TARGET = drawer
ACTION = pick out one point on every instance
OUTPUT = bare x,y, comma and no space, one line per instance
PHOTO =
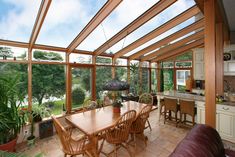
225,108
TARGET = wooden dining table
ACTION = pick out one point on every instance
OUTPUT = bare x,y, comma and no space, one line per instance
94,122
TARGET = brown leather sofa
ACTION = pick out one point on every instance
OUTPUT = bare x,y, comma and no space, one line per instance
202,141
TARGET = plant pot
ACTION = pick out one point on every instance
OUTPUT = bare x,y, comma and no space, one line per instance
37,118
116,109
31,141
10,146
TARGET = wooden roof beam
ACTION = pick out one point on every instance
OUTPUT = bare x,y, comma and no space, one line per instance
39,21
180,33
94,22
180,50
173,46
156,32
142,19
200,4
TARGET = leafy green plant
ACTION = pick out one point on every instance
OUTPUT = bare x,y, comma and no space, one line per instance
78,96
117,103
11,118
39,112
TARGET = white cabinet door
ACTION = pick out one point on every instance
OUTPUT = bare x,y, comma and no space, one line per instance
199,64
225,124
200,112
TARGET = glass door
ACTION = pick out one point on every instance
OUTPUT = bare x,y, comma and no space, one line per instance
81,85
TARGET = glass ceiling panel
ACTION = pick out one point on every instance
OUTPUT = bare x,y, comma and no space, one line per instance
65,19
124,14
162,36
168,14
17,18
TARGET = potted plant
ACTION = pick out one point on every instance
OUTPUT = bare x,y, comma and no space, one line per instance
117,104
39,112
31,138
11,118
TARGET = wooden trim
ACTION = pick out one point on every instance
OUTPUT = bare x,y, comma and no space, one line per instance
200,5
210,62
94,22
14,43
14,61
170,47
156,32
68,86
142,19
30,80
219,59
180,33
180,50
39,21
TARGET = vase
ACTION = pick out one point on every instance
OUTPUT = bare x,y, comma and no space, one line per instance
10,146
116,109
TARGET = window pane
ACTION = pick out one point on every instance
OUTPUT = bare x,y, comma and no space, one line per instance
103,75
19,71
13,53
168,79
121,73
181,77
134,83
48,86
145,80
17,19
42,55
103,60
80,58
154,80
65,19
81,86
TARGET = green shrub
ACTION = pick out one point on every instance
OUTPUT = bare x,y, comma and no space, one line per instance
78,96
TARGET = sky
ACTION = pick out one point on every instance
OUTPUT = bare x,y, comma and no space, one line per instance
66,18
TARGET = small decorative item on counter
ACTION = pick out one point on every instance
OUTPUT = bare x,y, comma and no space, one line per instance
219,98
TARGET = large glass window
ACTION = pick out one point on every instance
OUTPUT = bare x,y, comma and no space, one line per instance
168,81
50,56
13,53
81,86
121,73
134,83
48,84
181,77
145,80
154,80
103,75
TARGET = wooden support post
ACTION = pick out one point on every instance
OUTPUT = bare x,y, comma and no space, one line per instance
219,59
94,78
30,79
210,62
159,77
140,77
68,85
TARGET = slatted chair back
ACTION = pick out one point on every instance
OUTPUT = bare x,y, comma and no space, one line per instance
170,104
69,145
187,107
119,133
146,98
138,125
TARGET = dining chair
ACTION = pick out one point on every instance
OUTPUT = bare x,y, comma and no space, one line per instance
171,105
138,126
70,145
146,98
187,107
118,134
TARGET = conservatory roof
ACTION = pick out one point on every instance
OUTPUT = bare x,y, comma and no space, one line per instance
143,30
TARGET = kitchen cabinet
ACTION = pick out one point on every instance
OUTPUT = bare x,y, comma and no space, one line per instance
200,112
198,64
225,121
229,68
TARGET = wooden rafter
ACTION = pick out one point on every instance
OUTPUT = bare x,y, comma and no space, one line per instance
94,22
14,43
180,50
173,46
200,4
180,33
163,28
142,19
39,21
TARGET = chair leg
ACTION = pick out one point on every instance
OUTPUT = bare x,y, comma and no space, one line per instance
65,155
115,150
176,119
149,125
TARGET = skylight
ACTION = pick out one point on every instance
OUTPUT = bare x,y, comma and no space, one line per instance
124,14
17,19
65,19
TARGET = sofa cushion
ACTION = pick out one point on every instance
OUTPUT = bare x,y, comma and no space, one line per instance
201,141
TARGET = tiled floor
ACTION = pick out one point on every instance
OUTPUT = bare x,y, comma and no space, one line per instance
161,142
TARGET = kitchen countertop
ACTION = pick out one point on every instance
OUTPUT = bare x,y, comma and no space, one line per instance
181,95
229,103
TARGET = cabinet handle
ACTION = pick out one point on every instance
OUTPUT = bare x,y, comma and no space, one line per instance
225,108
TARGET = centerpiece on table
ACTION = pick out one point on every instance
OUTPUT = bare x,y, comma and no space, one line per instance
117,104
